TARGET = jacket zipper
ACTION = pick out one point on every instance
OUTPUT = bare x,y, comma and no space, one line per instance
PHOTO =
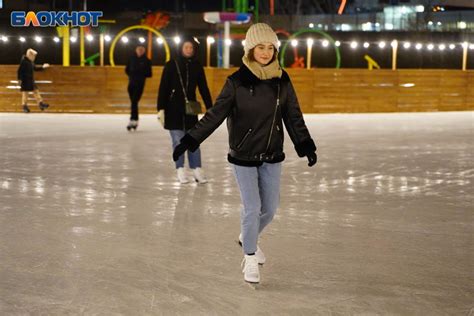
274,119
172,94
244,139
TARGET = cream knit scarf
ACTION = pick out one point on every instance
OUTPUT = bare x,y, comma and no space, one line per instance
272,70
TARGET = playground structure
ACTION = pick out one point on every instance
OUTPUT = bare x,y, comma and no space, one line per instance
371,63
240,13
299,62
152,23
226,18
157,21
64,32
137,27
289,39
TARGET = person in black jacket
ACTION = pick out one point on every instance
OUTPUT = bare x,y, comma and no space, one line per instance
138,69
171,102
256,100
26,80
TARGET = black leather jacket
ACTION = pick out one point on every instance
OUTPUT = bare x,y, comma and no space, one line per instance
138,69
26,74
255,110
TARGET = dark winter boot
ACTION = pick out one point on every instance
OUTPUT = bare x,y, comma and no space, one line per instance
43,106
26,109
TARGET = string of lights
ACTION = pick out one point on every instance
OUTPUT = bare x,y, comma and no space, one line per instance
407,45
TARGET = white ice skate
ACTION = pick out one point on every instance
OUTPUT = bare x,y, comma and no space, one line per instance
182,176
250,269
132,125
258,254
199,176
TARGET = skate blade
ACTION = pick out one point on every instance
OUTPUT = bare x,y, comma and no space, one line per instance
253,285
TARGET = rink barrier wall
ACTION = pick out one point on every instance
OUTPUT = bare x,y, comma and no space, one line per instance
104,90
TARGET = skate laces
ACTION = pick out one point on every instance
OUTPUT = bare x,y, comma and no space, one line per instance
250,265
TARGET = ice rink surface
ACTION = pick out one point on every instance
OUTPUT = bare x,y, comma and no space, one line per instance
93,221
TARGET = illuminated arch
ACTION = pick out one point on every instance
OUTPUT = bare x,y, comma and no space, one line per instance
135,27
323,34
295,50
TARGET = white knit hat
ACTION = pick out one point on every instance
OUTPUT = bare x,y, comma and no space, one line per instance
257,34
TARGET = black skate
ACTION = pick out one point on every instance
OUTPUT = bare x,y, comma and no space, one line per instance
43,106
26,109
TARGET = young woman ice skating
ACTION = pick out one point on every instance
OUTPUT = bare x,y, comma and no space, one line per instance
178,86
256,100
138,69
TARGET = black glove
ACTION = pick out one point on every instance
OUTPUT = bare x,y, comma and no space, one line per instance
312,159
179,150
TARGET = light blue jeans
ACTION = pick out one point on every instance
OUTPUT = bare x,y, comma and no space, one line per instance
260,194
193,157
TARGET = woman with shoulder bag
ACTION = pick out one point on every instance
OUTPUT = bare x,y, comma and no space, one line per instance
177,105
256,100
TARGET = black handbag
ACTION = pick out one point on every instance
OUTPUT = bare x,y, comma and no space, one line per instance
192,107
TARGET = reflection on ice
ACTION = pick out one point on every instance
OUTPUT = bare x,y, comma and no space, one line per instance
93,220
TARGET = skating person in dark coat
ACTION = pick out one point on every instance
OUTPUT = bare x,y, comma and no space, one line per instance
171,102
138,69
256,101
26,79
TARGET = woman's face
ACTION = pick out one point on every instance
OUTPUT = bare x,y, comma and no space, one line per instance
263,53
188,50
140,51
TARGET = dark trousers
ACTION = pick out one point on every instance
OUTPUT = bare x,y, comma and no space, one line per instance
135,91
